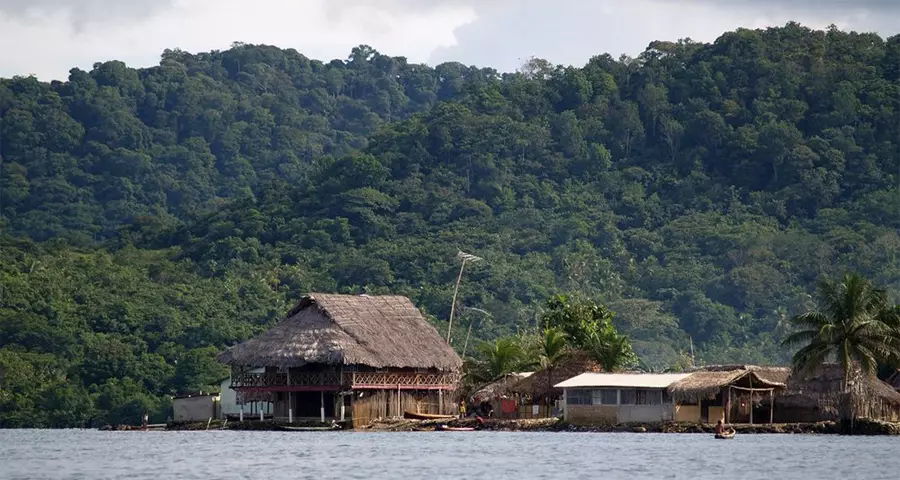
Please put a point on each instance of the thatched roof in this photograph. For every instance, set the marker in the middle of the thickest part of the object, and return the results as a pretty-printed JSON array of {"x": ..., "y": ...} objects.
[
  {"x": 814, "y": 389},
  {"x": 377, "y": 331},
  {"x": 707, "y": 382},
  {"x": 498, "y": 387},
  {"x": 541, "y": 382}
]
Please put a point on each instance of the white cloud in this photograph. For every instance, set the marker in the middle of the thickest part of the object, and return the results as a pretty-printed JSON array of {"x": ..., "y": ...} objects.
[{"x": 48, "y": 37}]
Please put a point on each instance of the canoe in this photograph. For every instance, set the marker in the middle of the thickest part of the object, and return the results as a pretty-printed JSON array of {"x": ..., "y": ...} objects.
[
  {"x": 306, "y": 429},
  {"x": 444, "y": 428},
  {"x": 426, "y": 416},
  {"x": 725, "y": 436}
]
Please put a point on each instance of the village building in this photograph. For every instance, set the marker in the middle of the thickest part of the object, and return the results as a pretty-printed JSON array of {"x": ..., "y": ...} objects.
[
  {"x": 592, "y": 398},
  {"x": 348, "y": 358},
  {"x": 732, "y": 393},
  {"x": 537, "y": 394},
  {"x": 816, "y": 397},
  {"x": 497, "y": 397}
]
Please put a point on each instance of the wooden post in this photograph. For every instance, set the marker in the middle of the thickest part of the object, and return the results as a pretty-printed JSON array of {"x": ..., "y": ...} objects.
[
  {"x": 290, "y": 407},
  {"x": 751, "y": 398},
  {"x": 772, "y": 406},
  {"x": 728, "y": 406},
  {"x": 242, "y": 411},
  {"x": 322, "y": 406}
]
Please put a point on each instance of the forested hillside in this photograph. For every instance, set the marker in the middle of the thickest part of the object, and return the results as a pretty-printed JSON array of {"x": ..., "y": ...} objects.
[{"x": 154, "y": 216}]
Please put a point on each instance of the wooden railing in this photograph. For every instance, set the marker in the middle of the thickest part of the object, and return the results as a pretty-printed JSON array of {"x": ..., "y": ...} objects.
[
  {"x": 297, "y": 379},
  {"x": 349, "y": 379},
  {"x": 399, "y": 379}
]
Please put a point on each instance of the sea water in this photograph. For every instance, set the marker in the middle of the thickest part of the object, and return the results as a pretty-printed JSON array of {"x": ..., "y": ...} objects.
[{"x": 89, "y": 454}]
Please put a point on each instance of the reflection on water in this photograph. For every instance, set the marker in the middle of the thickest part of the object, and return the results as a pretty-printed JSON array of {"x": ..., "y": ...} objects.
[{"x": 88, "y": 454}]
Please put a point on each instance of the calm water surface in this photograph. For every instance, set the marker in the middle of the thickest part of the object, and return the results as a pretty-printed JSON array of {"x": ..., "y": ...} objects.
[{"x": 51, "y": 454}]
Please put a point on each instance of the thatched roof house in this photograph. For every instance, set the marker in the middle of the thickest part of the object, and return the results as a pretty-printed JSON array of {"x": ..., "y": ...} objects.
[
  {"x": 707, "y": 382},
  {"x": 499, "y": 387},
  {"x": 376, "y": 331},
  {"x": 541, "y": 383},
  {"x": 819, "y": 392}
]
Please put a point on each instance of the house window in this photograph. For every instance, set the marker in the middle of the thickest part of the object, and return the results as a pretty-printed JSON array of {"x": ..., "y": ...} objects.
[
  {"x": 628, "y": 397},
  {"x": 606, "y": 396},
  {"x": 578, "y": 397},
  {"x": 647, "y": 397}
]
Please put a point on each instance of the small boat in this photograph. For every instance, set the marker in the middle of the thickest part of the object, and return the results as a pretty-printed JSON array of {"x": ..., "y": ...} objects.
[
  {"x": 445, "y": 428},
  {"x": 726, "y": 435},
  {"x": 426, "y": 416},
  {"x": 308, "y": 429}
]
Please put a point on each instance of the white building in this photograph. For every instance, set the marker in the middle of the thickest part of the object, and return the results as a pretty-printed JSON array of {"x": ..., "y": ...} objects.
[{"x": 618, "y": 397}]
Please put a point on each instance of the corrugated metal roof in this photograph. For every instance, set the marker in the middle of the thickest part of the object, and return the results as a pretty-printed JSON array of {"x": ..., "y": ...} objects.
[{"x": 630, "y": 380}]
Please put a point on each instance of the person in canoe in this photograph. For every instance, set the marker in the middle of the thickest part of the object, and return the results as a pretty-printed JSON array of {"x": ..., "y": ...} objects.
[{"x": 721, "y": 430}]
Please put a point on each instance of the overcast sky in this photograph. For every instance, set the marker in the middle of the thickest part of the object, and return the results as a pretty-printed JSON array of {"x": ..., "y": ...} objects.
[{"x": 48, "y": 37}]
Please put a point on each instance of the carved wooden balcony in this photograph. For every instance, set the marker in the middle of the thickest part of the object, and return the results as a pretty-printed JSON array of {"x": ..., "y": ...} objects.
[{"x": 328, "y": 381}]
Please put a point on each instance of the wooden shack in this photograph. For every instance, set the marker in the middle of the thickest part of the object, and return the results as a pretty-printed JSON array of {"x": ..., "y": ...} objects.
[
  {"x": 349, "y": 358},
  {"x": 733, "y": 393}
]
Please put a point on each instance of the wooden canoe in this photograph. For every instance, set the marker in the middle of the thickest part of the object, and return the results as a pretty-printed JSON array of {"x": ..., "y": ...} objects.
[
  {"x": 426, "y": 416},
  {"x": 306, "y": 429},
  {"x": 725, "y": 436},
  {"x": 444, "y": 428}
]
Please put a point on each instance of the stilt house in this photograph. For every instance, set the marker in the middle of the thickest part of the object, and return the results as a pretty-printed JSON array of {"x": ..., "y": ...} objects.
[{"x": 347, "y": 357}]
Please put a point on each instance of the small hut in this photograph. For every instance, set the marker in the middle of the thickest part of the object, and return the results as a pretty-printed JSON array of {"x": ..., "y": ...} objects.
[
  {"x": 497, "y": 395},
  {"x": 733, "y": 393},
  {"x": 817, "y": 396},
  {"x": 537, "y": 394},
  {"x": 339, "y": 356}
]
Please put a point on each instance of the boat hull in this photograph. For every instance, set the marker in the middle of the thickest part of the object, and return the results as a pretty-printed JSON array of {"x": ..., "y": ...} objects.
[{"x": 426, "y": 416}]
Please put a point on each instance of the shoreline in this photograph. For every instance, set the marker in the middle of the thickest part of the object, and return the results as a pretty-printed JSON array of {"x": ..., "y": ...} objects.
[{"x": 863, "y": 427}]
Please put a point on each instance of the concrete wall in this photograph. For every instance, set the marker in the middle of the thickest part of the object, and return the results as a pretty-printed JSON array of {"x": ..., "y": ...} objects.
[
  {"x": 645, "y": 413},
  {"x": 195, "y": 409},
  {"x": 591, "y": 414}
]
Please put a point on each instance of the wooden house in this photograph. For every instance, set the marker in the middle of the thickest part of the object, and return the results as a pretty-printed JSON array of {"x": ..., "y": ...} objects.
[
  {"x": 348, "y": 357},
  {"x": 733, "y": 393}
]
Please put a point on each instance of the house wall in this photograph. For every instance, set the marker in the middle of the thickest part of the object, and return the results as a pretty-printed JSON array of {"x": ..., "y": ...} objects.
[
  {"x": 714, "y": 414},
  {"x": 195, "y": 409},
  {"x": 591, "y": 414},
  {"x": 687, "y": 413}
]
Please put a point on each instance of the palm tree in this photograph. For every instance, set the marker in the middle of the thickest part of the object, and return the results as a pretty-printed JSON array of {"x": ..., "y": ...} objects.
[
  {"x": 552, "y": 347},
  {"x": 855, "y": 326},
  {"x": 498, "y": 358},
  {"x": 612, "y": 350}
]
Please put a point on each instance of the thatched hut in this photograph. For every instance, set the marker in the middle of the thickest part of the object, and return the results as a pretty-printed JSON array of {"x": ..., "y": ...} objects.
[
  {"x": 537, "y": 394},
  {"x": 817, "y": 396},
  {"x": 728, "y": 392},
  {"x": 497, "y": 394},
  {"x": 339, "y": 356}
]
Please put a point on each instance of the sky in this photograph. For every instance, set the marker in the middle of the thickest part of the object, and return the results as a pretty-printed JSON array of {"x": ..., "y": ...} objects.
[{"x": 46, "y": 38}]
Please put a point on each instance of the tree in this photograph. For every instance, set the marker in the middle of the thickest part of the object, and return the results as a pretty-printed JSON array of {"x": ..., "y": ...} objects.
[
  {"x": 500, "y": 357},
  {"x": 855, "y": 325},
  {"x": 552, "y": 347},
  {"x": 588, "y": 326}
]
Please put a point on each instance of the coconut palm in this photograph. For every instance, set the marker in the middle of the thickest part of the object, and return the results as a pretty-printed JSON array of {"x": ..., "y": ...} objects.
[
  {"x": 855, "y": 325},
  {"x": 497, "y": 358},
  {"x": 552, "y": 347},
  {"x": 612, "y": 350}
]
